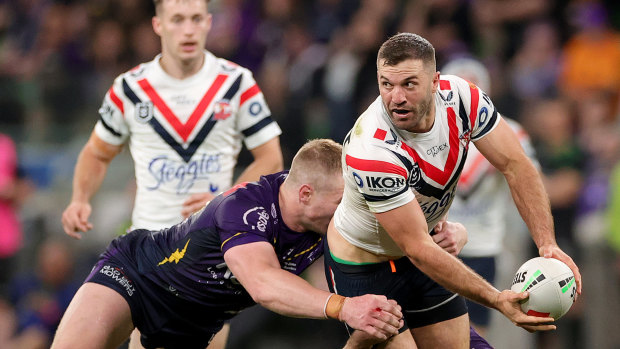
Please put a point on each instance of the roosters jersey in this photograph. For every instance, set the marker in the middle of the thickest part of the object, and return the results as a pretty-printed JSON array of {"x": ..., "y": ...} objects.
[
  {"x": 483, "y": 200},
  {"x": 184, "y": 135},
  {"x": 385, "y": 167}
]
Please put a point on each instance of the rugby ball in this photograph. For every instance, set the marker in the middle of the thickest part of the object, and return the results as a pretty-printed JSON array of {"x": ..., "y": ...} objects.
[{"x": 551, "y": 285}]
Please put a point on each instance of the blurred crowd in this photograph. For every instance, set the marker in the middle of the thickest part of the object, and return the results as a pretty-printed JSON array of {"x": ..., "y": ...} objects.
[{"x": 554, "y": 64}]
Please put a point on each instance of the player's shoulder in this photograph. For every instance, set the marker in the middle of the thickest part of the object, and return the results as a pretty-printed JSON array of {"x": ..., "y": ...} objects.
[
  {"x": 136, "y": 73},
  {"x": 455, "y": 83},
  {"x": 225, "y": 66}
]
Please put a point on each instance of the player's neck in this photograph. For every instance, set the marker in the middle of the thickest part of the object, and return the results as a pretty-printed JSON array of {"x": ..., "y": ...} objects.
[
  {"x": 289, "y": 209},
  {"x": 427, "y": 122},
  {"x": 179, "y": 69}
]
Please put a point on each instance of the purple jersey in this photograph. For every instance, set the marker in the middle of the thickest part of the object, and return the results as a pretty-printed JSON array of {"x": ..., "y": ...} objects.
[{"x": 187, "y": 259}]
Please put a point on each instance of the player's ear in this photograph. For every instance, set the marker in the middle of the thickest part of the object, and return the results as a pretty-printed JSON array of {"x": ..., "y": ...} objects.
[
  {"x": 156, "y": 22},
  {"x": 305, "y": 193}
]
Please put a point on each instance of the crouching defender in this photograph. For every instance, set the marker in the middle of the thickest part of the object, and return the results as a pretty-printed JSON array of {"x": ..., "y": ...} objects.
[{"x": 248, "y": 245}]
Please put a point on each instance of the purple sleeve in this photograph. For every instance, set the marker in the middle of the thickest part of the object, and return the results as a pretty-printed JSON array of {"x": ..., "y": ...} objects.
[{"x": 242, "y": 222}]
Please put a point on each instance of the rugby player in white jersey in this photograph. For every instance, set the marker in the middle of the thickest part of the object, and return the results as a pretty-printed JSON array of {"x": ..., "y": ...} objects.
[
  {"x": 184, "y": 116},
  {"x": 401, "y": 163},
  {"x": 482, "y": 199}
]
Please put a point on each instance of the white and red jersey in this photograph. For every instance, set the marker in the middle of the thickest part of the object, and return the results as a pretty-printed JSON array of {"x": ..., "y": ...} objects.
[
  {"x": 385, "y": 167},
  {"x": 184, "y": 135},
  {"x": 483, "y": 200}
]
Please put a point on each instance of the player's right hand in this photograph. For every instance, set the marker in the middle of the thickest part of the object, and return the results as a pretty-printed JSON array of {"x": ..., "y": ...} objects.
[
  {"x": 75, "y": 219},
  {"x": 508, "y": 303},
  {"x": 373, "y": 314}
]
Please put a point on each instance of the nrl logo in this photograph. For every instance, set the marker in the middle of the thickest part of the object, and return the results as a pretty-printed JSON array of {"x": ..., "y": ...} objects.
[{"x": 144, "y": 112}]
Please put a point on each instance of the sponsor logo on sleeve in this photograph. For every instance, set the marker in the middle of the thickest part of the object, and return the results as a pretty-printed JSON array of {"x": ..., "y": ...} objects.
[
  {"x": 384, "y": 184},
  {"x": 255, "y": 108},
  {"x": 256, "y": 218}
]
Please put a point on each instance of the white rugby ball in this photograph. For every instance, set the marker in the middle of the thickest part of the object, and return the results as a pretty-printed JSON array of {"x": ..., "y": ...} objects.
[{"x": 551, "y": 285}]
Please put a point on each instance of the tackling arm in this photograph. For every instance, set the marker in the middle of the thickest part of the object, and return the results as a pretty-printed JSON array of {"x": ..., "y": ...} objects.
[
  {"x": 256, "y": 266},
  {"x": 503, "y": 150},
  {"x": 90, "y": 170}
]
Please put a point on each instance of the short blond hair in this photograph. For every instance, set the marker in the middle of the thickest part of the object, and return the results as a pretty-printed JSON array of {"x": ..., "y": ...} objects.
[
  {"x": 316, "y": 160},
  {"x": 157, "y": 4}
]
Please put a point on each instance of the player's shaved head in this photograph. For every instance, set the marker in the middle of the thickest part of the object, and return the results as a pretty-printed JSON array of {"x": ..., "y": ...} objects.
[
  {"x": 404, "y": 46},
  {"x": 316, "y": 160}
]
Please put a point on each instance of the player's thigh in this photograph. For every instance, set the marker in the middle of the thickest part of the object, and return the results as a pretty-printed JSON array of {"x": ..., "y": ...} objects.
[
  {"x": 362, "y": 340},
  {"x": 403, "y": 340},
  {"x": 453, "y": 333},
  {"x": 98, "y": 316}
]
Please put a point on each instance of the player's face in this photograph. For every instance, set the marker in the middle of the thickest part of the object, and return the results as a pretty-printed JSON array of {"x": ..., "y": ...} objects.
[
  {"x": 324, "y": 203},
  {"x": 183, "y": 26},
  {"x": 407, "y": 92}
]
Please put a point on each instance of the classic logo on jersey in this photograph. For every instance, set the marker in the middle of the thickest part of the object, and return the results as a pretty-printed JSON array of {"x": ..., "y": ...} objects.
[
  {"x": 144, "y": 112},
  {"x": 117, "y": 275},
  {"x": 165, "y": 170},
  {"x": 176, "y": 256},
  {"x": 256, "y": 218},
  {"x": 255, "y": 108},
  {"x": 222, "y": 110}
]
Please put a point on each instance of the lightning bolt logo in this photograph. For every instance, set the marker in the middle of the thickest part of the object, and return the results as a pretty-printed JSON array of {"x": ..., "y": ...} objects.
[{"x": 176, "y": 256}]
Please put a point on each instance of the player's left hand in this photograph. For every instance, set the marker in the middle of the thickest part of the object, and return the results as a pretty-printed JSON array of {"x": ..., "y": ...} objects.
[
  {"x": 195, "y": 202},
  {"x": 450, "y": 236},
  {"x": 554, "y": 251}
]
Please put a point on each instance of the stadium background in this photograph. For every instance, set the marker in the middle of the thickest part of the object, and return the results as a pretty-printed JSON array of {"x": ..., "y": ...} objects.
[{"x": 555, "y": 67}]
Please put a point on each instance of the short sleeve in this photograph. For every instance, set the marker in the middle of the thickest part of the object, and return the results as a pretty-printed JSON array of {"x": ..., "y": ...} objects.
[
  {"x": 480, "y": 109},
  {"x": 112, "y": 126},
  {"x": 380, "y": 177},
  {"x": 254, "y": 119},
  {"x": 241, "y": 222}
]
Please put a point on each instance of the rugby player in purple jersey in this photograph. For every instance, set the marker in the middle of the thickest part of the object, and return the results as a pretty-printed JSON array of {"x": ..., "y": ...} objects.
[{"x": 248, "y": 245}]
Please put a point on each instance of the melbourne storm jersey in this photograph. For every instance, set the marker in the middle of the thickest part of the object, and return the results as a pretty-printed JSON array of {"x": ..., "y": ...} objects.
[
  {"x": 483, "y": 200},
  {"x": 187, "y": 259},
  {"x": 184, "y": 135},
  {"x": 385, "y": 167}
]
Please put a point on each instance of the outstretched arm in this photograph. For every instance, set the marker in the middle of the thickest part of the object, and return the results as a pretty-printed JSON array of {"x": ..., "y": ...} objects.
[
  {"x": 503, "y": 150},
  {"x": 407, "y": 227},
  {"x": 256, "y": 266},
  {"x": 90, "y": 170}
]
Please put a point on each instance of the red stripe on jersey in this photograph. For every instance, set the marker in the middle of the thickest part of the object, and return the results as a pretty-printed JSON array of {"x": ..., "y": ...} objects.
[
  {"x": 380, "y": 134},
  {"x": 375, "y": 166},
  {"x": 478, "y": 165},
  {"x": 183, "y": 130},
  {"x": 249, "y": 93},
  {"x": 444, "y": 85},
  {"x": 431, "y": 171},
  {"x": 475, "y": 97},
  {"x": 117, "y": 101}
]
